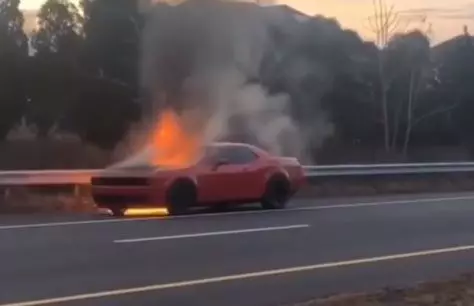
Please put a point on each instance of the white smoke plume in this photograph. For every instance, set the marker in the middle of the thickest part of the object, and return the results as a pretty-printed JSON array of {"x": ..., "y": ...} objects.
[{"x": 201, "y": 58}]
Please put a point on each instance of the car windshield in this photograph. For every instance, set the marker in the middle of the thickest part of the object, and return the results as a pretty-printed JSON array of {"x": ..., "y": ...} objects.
[{"x": 212, "y": 153}]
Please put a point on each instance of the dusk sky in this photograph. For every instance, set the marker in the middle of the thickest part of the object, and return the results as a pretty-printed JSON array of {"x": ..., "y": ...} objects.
[{"x": 447, "y": 17}]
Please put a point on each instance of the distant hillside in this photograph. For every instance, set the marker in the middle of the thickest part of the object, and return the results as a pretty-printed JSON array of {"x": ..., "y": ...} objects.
[{"x": 443, "y": 49}]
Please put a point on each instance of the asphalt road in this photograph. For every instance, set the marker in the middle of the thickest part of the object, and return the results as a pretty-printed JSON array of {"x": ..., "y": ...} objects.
[{"x": 247, "y": 257}]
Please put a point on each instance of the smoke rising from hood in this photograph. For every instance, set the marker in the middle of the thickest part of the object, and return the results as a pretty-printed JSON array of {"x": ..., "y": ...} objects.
[{"x": 203, "y": 59}]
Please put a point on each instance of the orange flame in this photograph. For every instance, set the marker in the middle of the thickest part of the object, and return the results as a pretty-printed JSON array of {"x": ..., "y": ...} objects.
[
  {"x": 173, "y": 145},
  {"x": 157, "y": 211}
]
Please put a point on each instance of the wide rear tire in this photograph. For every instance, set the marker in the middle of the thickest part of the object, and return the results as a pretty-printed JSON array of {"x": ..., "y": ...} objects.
[
  {"x": 277, "y": 194},
  {"x": 181, "y": 197}
]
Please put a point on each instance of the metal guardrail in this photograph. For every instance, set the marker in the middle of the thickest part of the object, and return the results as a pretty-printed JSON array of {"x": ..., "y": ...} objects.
[
  {"x": 47, "y": 177},
  {"x": 82, "y": 176},
  {"x": 388, "y": 169}
]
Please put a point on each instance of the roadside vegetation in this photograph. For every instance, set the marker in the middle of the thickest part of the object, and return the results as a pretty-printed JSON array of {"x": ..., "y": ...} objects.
[{"x": 400, "y": 97}]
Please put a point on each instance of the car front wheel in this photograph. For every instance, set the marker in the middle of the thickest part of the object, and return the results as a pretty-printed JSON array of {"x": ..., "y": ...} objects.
[
  {"x": 181, "y": 197},
  {"x": 117, "y": 211}
]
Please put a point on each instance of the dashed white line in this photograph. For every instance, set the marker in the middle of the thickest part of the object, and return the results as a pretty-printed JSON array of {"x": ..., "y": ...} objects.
[
  {"x": 305, "y": 208},
  {"x": 220, "y": 233},
  {"x": 234, "y": 277}
]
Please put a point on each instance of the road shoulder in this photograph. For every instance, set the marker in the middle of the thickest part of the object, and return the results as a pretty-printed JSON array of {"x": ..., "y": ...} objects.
[{"x": 457, "y": 291}]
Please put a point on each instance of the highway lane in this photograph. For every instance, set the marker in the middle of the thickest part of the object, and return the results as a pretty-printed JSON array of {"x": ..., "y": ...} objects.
[
  {"x": 32, "y": 219},
  {"x": 68, "y": 258}
]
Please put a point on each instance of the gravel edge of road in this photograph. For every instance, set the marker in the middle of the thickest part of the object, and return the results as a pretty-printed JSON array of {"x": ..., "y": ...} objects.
[{"x": 453, "y": 292}]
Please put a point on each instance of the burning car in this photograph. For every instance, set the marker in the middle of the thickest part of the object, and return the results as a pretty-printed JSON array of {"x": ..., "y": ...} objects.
[{"x": 225, "y": 173}]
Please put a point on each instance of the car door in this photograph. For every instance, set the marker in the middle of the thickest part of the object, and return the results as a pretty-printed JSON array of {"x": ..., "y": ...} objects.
[
  {"x": 213, "y": 178},
  {"x": 233, "y": 180},
  {"x": 238, "y": 177}
]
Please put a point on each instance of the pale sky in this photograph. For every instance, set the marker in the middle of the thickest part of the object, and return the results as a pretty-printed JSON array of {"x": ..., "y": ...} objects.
[{"x": 447, "y": 17}]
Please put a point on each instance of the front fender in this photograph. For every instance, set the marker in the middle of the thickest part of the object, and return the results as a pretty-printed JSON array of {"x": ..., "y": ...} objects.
[{"x": 192, "y": 178}]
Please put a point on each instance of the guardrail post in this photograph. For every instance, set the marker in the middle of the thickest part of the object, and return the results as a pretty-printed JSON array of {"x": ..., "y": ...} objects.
[
  {"x": 6, "y": 193},
  {"x": 77, "y": 191}
]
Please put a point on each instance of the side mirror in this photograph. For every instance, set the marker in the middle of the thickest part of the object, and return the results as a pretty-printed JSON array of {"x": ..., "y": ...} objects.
[{"x": 220, "y": 162}]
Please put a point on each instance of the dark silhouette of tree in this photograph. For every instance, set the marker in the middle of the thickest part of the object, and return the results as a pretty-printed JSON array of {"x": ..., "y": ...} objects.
[
  {"x": 13, "y": 62},
  {"x": 112, "y": 30},
  {"x": 409, "y": 70},
  {"x": 108, "y": 98},
  {"x": 104, "y": 112},
  {"x": 352, "y": 103},
  {"x": 53, "y": 68},
  {"x": 455, "y": 75}
]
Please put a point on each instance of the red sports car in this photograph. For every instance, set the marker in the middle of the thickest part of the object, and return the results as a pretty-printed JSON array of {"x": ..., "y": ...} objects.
[{"x": 227, "y": 173}]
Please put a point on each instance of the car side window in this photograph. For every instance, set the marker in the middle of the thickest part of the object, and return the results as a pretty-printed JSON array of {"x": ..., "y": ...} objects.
[
  {"x": 238, "y": 155},
  {"x": 211, "y": 155}
]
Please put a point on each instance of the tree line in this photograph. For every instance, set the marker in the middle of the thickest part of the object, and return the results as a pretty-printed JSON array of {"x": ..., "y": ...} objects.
[{"x": 78, "y": 72}]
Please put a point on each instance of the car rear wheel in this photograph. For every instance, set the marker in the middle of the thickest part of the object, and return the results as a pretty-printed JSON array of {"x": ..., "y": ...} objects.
[
  {"x": 181, "y": 197},
  {"x": 277, "y": 194}
]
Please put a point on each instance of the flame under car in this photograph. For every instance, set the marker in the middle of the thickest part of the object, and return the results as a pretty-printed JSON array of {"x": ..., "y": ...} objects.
[{"x": 227, "y": 173}]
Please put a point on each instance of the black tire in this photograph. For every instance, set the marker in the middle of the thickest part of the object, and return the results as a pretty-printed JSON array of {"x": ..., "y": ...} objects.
[
  {"x": 117, "y": 211},
  {"x": 181, "y": 196},
  {"x": 277, "y": 194}
]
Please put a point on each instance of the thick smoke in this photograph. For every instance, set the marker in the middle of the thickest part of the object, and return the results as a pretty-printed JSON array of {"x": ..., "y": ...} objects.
[{"x": 203, "y": 58}]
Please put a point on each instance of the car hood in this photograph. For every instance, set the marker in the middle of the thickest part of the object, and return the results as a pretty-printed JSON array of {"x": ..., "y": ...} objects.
[
  {"x": 128, "y": 171},
  {"x": 137, "y": 165}
]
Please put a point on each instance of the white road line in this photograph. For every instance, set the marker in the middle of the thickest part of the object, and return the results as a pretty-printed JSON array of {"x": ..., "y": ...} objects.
[
  {"x": 304, "y": 208},
  {"x": 53, "y": 224},
  {"x": 275, "y": 272},
  {"x": 207, "y": 234}
]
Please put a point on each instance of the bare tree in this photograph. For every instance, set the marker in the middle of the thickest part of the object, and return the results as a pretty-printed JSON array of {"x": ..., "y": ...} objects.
[
  {"x": 420, "y": 70},
  {"x": 384, "y": 24}
]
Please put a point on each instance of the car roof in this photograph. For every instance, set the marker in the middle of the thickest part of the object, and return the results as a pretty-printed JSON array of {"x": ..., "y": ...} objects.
[
  {"x": 230, "y": 144},
  {"x": 254, "y": 149}
]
